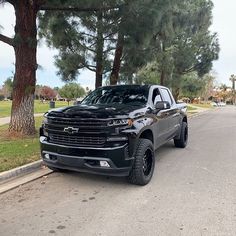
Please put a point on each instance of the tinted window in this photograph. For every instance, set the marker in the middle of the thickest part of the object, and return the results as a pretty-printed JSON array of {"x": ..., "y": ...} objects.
[
  {"x": 156, "y": 96},
  {"x": 131, "y": 95},
  {"x": 166, "y": 96}
]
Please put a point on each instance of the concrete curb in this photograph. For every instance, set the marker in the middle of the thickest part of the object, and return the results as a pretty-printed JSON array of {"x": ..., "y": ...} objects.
[
  {"x": 21, "y": 180},
  {"x": 19, "y": 171}
]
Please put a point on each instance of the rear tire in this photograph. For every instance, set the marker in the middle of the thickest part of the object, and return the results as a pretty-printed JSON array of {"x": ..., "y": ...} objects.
[
  {"x": 183, "y": 140},
  {"x": 144, "y": 163}
]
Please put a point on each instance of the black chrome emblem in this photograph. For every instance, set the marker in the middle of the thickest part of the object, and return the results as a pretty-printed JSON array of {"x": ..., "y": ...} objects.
[{"x": 71, "y": 130}]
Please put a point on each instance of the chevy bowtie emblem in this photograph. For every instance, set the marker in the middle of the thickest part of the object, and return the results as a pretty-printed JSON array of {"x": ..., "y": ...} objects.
[{"x": 71, "y": 130}]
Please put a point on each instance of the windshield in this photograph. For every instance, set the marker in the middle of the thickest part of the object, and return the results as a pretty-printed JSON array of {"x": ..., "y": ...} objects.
[{"x": 131, "y": 95}]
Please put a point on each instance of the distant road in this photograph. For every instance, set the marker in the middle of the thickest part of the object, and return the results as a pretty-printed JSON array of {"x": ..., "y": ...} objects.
[{"x": 193, "y": 192}]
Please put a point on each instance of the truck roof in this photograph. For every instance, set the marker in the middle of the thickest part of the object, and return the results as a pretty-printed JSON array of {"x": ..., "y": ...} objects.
[{"x": 134, "y": 85}]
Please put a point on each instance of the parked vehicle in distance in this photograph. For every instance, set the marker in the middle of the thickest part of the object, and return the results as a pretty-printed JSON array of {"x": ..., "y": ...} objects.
[
  {"x": 6, "y": 99},
  {"x": 214, "y": 104},
  {"x": 221, "y": 104},
  {"x": 218, "y": 104},
  {"x": 114, "y": 131}
]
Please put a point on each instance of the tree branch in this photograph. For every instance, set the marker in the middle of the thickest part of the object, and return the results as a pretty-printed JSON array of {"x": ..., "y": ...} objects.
[
  {"x": 194, "y": 67},
  {"x": 78, "y": 9},
  {"x": 108, "y": 36},
  {"x": 89, "y": 67},
  {"x": 6, "y": 40},
  {"x": 108, "y": 50},
  {"x": 89, "y": 35}
]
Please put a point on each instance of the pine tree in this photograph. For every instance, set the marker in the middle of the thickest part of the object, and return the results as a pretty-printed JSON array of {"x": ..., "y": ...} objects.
[
  {"x": 138, "y": 23},
  {"x": 183, "y": 42},
  {"x": 84, "y": 40}
]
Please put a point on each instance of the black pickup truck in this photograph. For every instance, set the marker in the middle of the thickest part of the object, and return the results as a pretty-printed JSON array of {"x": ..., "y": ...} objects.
[{"x": 114, "y": 131}]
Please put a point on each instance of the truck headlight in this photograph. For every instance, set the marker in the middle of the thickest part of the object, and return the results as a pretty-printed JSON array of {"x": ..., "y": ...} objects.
[
  {"x": 120, "y": 122},
  {"x": 45, "y": 120}
]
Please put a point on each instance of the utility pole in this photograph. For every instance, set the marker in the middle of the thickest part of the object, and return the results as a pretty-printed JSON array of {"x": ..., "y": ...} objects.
[{"x": 233, "y": 79}]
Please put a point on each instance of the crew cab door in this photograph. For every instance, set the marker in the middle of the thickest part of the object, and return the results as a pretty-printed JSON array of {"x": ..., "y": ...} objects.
[
  {"x": 161, "y": 126},
  {"x": 172, "y": 114}
]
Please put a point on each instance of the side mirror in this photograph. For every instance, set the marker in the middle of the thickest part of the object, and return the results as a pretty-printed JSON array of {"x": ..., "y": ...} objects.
[
  {"x": 77, "y": 103},
  {"x": 162, "y": 106}
]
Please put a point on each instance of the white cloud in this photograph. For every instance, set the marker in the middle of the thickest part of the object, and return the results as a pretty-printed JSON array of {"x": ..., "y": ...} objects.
[
  {"x": 45, "y": 57},
  {"x": 7, "y": 20},
  {"x": 6, "y": 55}
]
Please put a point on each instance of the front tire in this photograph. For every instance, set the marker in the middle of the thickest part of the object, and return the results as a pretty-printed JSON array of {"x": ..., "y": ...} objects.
[
  {"x": 183, "y": 140},
  {"x": 143, "y": 167}
]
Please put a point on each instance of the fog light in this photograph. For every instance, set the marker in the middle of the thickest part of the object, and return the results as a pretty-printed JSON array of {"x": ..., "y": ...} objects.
[
  {"x": 47, "y": 156},
  {"x": 42, "y": 139},
  {"x": 104, "y": 164},
  {"x": 45, "y": 133}
]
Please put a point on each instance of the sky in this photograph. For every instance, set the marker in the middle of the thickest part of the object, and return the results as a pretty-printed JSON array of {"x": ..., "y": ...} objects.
[{"x": 224, "y": 19}]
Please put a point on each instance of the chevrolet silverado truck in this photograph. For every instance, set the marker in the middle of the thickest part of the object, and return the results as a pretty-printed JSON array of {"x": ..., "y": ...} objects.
[{"x": 114, "y": 131}]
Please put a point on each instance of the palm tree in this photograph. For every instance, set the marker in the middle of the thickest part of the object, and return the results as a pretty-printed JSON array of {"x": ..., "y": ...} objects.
[{"x": 233, "y": 79}]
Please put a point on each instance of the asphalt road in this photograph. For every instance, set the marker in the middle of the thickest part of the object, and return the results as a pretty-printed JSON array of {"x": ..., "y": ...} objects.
[{"x": 193, "y": 192}]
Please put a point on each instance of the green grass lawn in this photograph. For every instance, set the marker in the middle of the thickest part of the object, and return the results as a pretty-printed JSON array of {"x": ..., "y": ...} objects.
[
  {"x": 5, "y": 107},
  {"x": 15, "y": 152},
  {"x": 191, "y": 108},
  {"x": 205, "y": 105}
]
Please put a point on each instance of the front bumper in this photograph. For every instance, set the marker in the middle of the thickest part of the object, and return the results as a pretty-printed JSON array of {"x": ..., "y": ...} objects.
[{"x": 86, "y": 159}]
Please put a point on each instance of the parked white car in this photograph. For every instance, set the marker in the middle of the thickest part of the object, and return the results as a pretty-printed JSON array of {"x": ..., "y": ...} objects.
[
  {"x": 218, "y": 104},
  {"x": 221, "y": 104}
]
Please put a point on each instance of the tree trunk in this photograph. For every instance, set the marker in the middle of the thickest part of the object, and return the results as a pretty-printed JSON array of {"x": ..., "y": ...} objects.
[
  {"x": 175, "y": 93},
  {"x": 99, "y": 51},
  {"x": 117, "y": 59},
  {"x": 130, "y": 78},
  {"x": 163, "y": 78},
  {"x": 25, "y": 46}
]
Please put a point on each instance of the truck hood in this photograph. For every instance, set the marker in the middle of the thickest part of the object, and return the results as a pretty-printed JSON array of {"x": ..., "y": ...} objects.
[{"x": 99, "y": 111}]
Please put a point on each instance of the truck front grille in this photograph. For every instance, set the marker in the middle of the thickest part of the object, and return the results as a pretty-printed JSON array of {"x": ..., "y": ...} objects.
[
  {"x": 83, "y": 123},
  {"x": 91, "y": 133},
  {"x": 77, "y": 140}
]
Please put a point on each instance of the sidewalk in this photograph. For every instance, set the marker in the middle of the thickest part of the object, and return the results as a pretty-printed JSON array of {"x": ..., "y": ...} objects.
[{"x": 6, "y": 120}]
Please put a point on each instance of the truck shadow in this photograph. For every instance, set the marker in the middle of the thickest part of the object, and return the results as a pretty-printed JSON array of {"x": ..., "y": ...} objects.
[
  {"x": 87, "y": 178},
  {"x": 165, "y": 150}
]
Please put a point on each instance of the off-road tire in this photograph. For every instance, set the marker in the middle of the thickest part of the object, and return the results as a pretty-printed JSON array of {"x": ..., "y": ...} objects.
[
  {"x": 144, "y": 157},
  {"x": 183, "y": 140}
]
